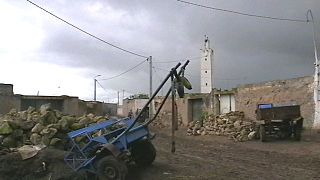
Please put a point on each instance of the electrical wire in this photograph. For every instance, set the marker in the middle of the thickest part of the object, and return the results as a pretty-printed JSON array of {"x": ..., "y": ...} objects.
[
  {"x": 101, "y": 86},
  {"x": 124, "y": 71},
  {"x": 159, "y": 78},
  {"x": 168, "y": 61},
  {"x": 108, "y": 92},
  {"x": 96, "y": 37},
  {"x": 220, "y": 79},
  {"x": 241, "y": 13}
]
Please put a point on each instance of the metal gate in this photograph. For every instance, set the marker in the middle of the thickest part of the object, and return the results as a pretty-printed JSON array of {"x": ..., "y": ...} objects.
[{"x": 196, "y": 109}]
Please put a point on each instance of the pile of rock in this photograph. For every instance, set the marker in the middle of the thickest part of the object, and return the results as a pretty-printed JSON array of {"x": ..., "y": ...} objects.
[
  {"x": 46, "y": 126},
  {"x": 231, "y": 124}
]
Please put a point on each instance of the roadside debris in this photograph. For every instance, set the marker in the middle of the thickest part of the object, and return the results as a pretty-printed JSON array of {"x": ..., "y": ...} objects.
[
  {"x": 29, "y": 151},
  {"x": 47, "y": 127},
  {"x": 231, "y": 124}
]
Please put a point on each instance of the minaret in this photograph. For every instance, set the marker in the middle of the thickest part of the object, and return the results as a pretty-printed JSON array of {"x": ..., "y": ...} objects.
[{"x": 206, "y": 67}]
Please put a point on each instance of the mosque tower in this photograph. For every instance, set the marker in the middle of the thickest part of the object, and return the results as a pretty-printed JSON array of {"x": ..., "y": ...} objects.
[{"x": 206, "y": 68}]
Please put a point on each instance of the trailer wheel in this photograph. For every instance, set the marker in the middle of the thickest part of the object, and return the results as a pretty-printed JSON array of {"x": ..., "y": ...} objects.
[
  {"x": 262, "y": 132},
  {"x": 143, "y": 153},
  {"x": 110, "y": 168},
  {"x": 257, "y": 129},
  {"x": 297, "y": 133}
]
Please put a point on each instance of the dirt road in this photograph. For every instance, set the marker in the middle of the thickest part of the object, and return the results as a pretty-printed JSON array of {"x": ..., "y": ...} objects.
[
  {"x": 196, "y": 158},
  {"x": 213, "y": 157}
]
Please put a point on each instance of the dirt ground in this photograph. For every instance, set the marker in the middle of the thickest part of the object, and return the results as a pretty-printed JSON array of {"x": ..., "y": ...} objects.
[
  {"x": 196, "y": 158},
  {"x": 215, "y": 157}
]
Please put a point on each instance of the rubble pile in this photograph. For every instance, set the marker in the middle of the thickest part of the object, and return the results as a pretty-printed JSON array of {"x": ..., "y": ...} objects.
[
  {"x": 231, "y": 124},
  {"x": 47, "y": 127}
]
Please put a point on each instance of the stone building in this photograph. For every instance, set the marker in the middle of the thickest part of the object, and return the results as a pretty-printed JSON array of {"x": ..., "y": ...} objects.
[
  {"x": 132, "y": 105},
  {"x": 246, "y": 98},
  {"x": 65, "y": 104},
  {"x": 190, "y": 108},
  {"x": 298, "y": 90}
]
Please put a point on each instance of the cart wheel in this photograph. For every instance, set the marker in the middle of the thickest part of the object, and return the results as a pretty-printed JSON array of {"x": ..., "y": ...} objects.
[
  {"x": 257, "y": 129},
  {"x": 143, "y": 153},
  {"x": 262, "y": 132},
  {"x": 297, "y": 133},
  {"x": 91, "y": 176},
  {"x": 109, "y": 168}
]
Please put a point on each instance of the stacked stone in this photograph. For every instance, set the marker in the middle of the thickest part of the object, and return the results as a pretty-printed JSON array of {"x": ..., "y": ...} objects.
[
  {"x": 231, "y": 124},
  {"x": 47, "y": 126}
]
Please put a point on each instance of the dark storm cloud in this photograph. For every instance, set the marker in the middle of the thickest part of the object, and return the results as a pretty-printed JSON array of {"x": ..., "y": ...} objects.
[{"x": 246, "y": 49}]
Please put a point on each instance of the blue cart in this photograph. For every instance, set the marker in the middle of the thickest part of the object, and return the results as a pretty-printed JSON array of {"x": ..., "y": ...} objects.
[
  {"x": 96, "y": 150},
  {"x": 107, "y": 147}
]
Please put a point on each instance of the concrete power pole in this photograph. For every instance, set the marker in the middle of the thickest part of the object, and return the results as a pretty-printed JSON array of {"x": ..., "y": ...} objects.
[
  {"x": 118, "y": 98},
  {"x": 122, "y": 96},
  {"x": 95, "y": 88},
  {"x": 150, "y": 92},
  {"x": 316, "y": 122}
]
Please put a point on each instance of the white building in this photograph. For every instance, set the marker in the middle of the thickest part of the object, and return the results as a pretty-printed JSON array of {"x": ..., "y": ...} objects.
[{"x": 206, "y": 68}]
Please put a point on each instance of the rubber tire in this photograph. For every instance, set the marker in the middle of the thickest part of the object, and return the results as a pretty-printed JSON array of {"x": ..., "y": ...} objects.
[
  {"x": 297, "y": 133},
  {"x": 262, "y": 131},
  {"x": 143, "y": 153},
  {"x": 117, "y": 167},
  {"x": 257, "y": 135}
]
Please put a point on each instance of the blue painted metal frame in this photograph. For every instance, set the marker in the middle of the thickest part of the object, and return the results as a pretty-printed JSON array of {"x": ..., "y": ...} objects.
[
  {"x": 122, "y": 138},
  {"x": 80, "y": 157},
  {"x": 264, "y": 106}
]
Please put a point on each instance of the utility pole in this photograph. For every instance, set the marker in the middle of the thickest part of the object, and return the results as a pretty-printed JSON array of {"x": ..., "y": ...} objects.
[
  {"x": 122, "y": 96},
  {"x": 150, "y": 92},
  {"x": 118, "y": 98},
  {"x": 316, "y": 122},
  {"x": 95, "y": 88}
]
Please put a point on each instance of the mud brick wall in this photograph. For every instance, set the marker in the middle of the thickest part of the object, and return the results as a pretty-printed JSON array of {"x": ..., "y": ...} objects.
[
  {"x": 9, "y": 102},
  {"x": 299, "y": 90}
]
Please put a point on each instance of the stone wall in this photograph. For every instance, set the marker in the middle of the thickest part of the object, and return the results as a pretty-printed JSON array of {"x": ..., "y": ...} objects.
[
  {"x": 165, "y": 114},
  {"x": 110, "y": 109},
  {"x": 9, "y": 102},
  {"x": 184, "y": 106},
  {"x": 298, "y": 90},
  {"x": 71, "y": 105},
  {"x": 132, "y": 105},
  {"x": 6, "y": 89},
  {"x": 82, "y": 107},
  {"x": 65, "y": 104},
  {"x": 37, "y": 101}
]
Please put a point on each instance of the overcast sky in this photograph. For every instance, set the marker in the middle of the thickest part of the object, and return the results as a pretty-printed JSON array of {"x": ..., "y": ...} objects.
[{"x": 40, "y": 53}]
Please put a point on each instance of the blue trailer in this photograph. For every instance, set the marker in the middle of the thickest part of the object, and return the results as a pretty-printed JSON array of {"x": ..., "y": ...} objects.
[
  {"x": 282, "y": 120},
  {"x": 98, "y": 148},
  {"x": 107, "y": 147}
]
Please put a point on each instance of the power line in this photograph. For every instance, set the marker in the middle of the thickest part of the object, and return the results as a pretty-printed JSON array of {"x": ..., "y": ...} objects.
[
  {"x": 101, "y": 86},
  {"x": 169, "y": 71},
  {"x": 126, "y": 91},
  {"x": 125, "y": 71},
  {"x": 241, "y": 13},
  {"x": 74, "y": 26},
  {"x": 220, "y": 79},
  {"x": 168, "y": 61},
  {"x": 159, "y": 78}
]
